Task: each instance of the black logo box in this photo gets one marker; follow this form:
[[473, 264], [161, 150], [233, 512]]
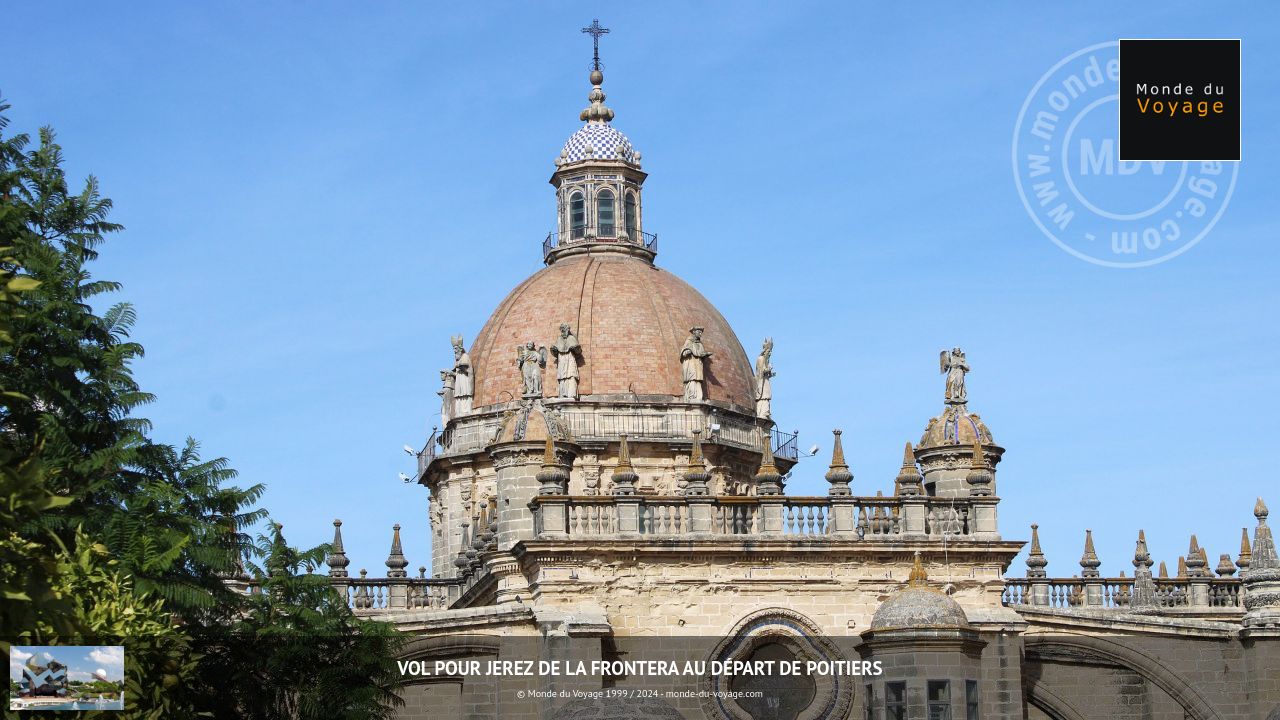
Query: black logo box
[[1186, 69]]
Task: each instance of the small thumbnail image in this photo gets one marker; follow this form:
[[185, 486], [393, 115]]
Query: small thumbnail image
[[66, 677]]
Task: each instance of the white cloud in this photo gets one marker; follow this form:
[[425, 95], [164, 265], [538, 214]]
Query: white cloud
[[17, 659], [111, 657]]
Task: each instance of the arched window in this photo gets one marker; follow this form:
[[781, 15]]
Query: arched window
[[605, 214], [577, 216], [632, 217]]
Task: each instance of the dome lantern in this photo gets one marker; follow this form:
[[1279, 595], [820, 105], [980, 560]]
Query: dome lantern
[[598, 183]]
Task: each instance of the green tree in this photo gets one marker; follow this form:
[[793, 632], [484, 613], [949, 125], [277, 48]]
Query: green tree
[[107, 534], [299, 653]]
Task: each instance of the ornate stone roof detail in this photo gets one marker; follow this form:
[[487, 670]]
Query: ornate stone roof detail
[[1144, 589], [1089, 562], [838, 474], [919, 606], [396, 562], [979, 477], [768, 479], [1264, 547], [1036, 561], [337, 560], [624, 476], [695, 471], [909, 481]]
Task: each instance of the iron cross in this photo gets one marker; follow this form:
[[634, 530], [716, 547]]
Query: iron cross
[[595, 31]]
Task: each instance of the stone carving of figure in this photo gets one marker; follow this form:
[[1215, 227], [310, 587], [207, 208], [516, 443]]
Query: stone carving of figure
[[764, 380], [952, 363], [446, 397], [566, 350], [463, 382], [693, 359], [531, 361]]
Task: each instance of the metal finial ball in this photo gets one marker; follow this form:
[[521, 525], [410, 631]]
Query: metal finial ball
[[597, 77]]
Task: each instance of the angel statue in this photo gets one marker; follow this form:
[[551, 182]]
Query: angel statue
[[764, 380], [463, 383], [952, 363], [531, 360]]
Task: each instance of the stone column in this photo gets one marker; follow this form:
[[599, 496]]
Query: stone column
[[518, 464]]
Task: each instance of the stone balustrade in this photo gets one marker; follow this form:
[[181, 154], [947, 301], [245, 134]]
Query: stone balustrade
[[372, 595], [1117, 593], [862, 518]]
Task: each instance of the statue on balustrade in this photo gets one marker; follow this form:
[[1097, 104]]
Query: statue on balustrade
[[953, 364], [447, 379], [764, 380], [463, 383], [531, 360], [693, 360], [565, 351]]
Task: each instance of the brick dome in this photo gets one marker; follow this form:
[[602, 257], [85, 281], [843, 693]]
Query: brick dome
[[631, 319]]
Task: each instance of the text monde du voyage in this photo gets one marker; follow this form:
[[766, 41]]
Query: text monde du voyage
[[635, 668], [1180, 99]]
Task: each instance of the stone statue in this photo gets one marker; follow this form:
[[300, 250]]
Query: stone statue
[[446, 397], [952, 363], [693, 359], [764, 380], [463, 383], [531, 360], [566, 350]]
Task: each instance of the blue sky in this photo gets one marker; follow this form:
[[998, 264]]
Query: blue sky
[[81, 662], [318, 195]]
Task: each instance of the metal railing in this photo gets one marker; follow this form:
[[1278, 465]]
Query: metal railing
[[616, 234]]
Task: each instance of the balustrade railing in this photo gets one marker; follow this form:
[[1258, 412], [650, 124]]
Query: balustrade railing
[[863, 518], [371, 594], [1117, 593]]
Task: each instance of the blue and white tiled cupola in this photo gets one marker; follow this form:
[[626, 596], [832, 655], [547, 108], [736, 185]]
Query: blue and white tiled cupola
[[598, 182]]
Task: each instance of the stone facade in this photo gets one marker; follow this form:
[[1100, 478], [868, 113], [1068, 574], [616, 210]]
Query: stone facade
[[632, 522]]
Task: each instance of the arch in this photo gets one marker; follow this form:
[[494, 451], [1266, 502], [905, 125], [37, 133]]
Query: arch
[[577, 215], [1049, 703], [606, 214], [1149, 667], [803, 638]]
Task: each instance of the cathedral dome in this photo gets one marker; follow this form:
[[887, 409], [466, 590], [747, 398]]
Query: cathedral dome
[[598, 141], [631, 318], [955, 426], [919, 606]]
